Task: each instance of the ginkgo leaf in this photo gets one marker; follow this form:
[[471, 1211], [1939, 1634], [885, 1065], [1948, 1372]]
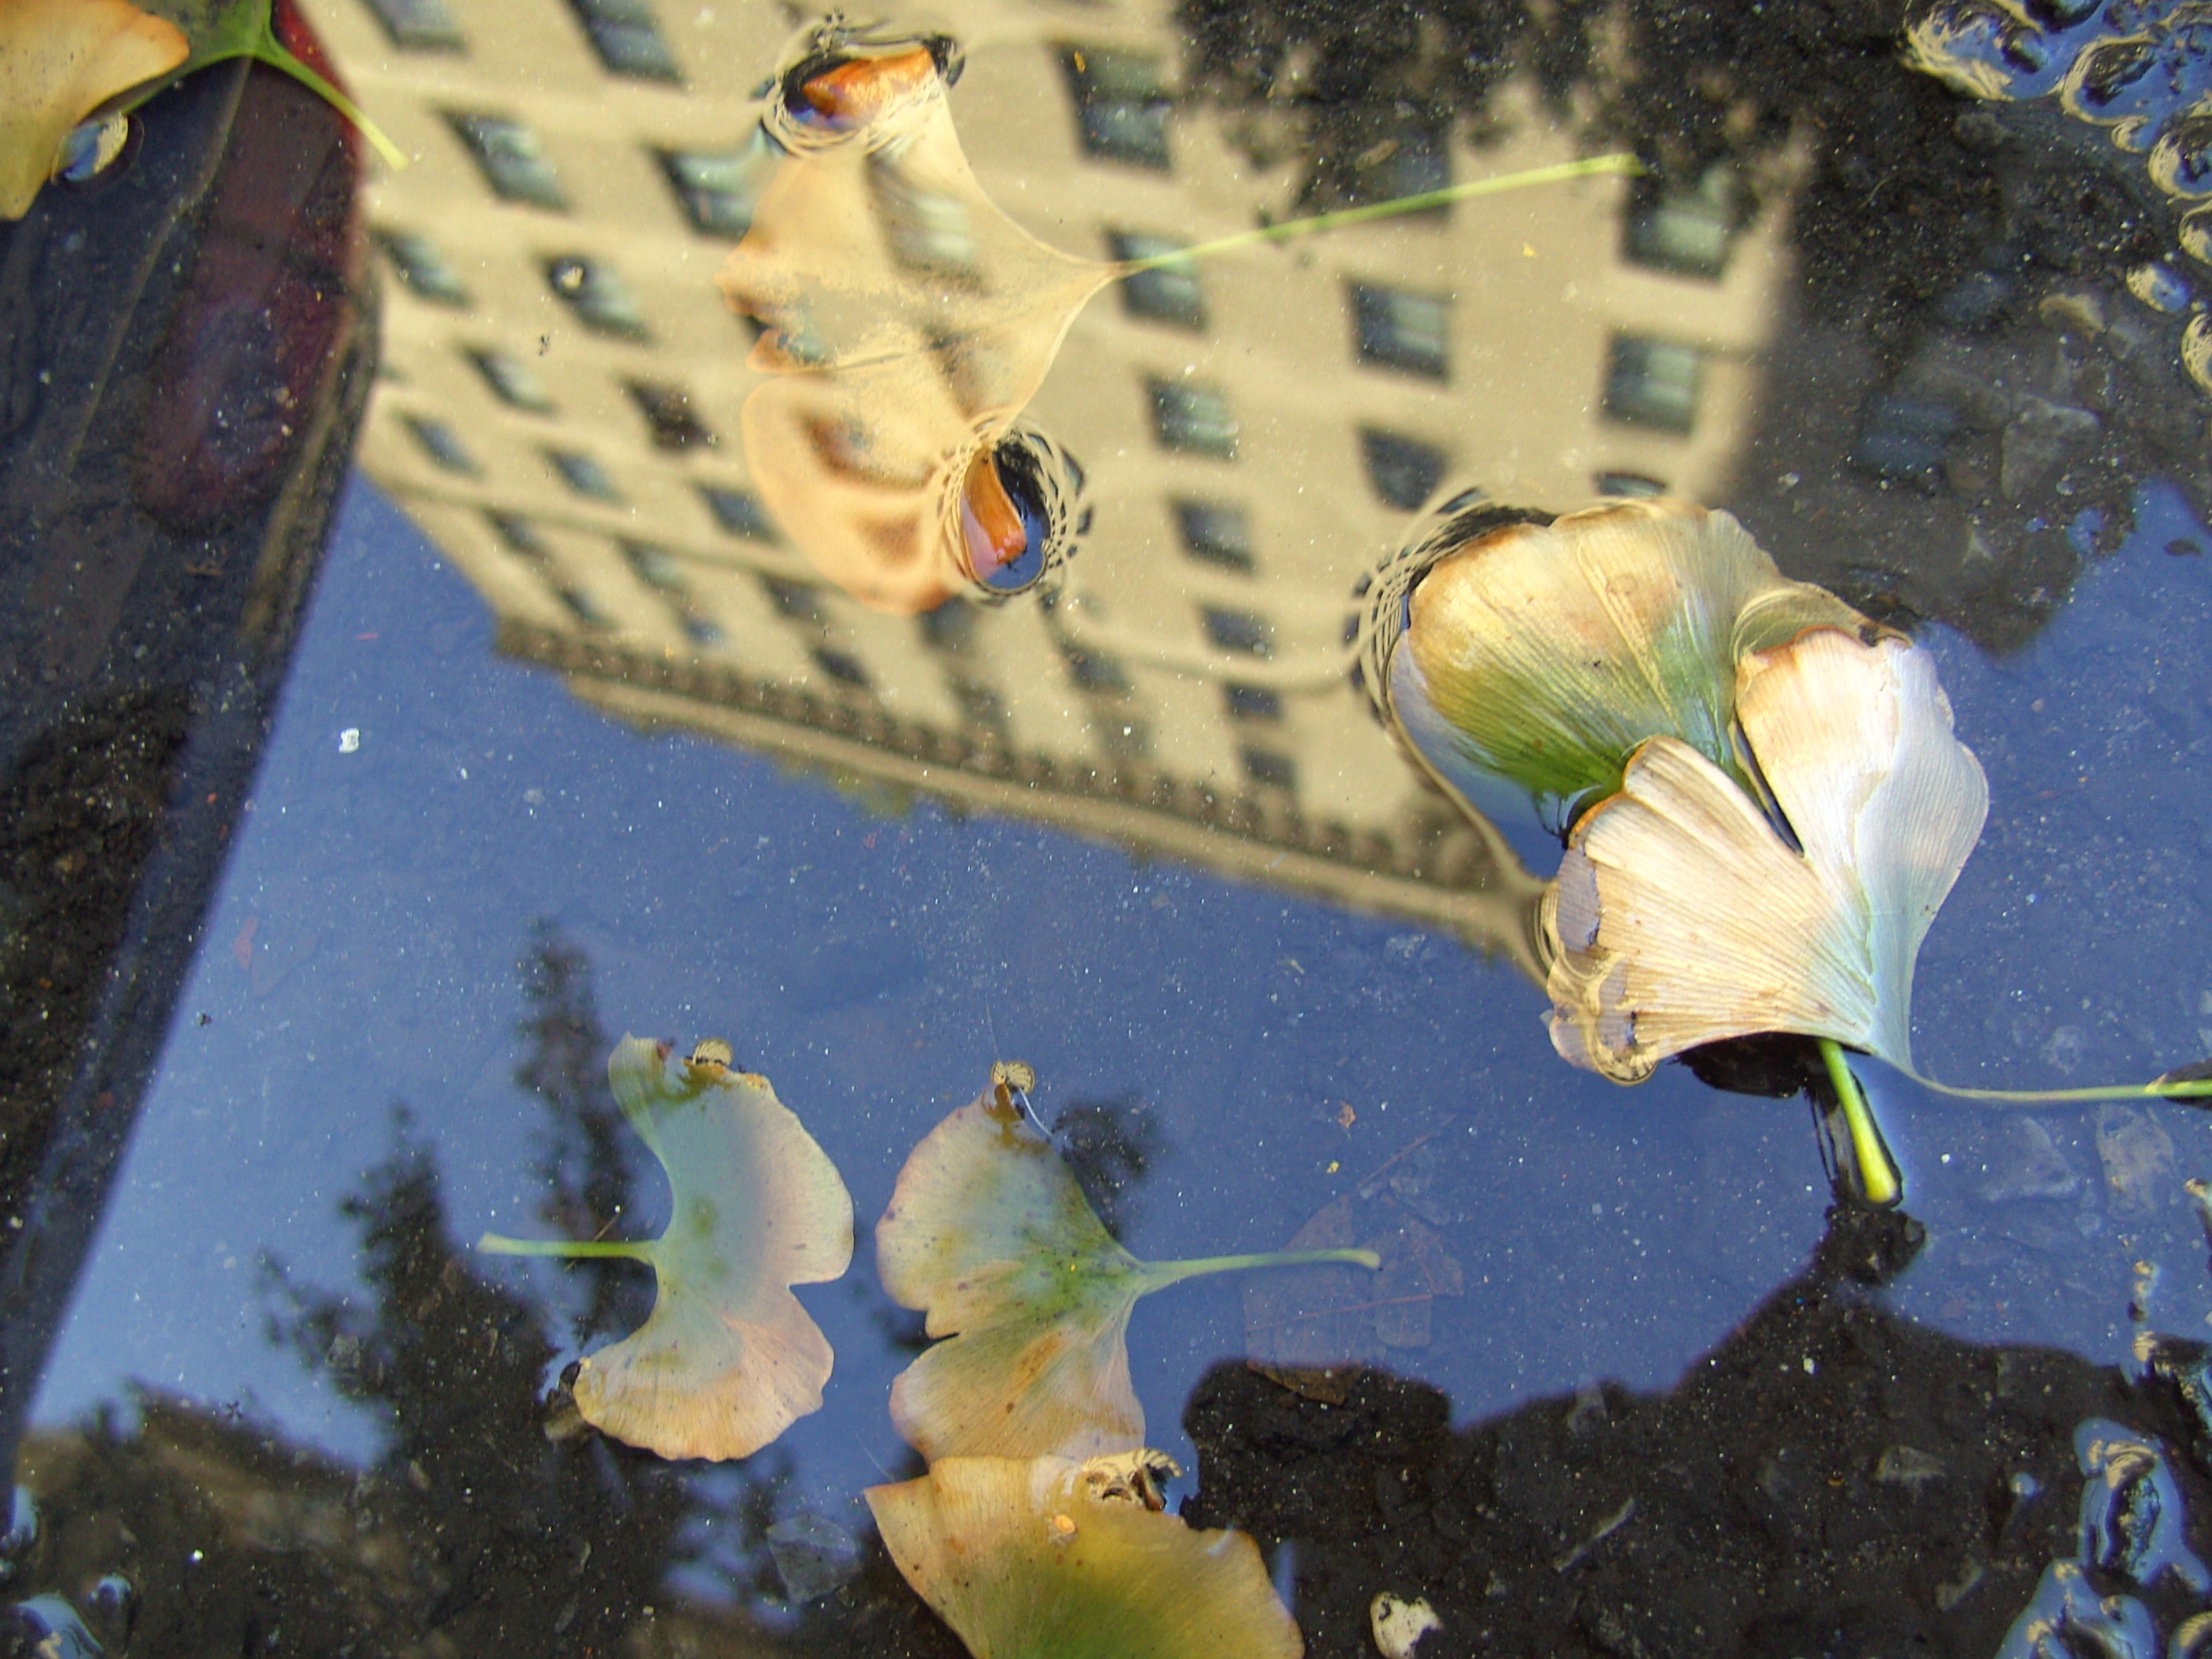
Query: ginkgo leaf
[[1507, 649], [1041, 1559], [989, 1235], [926, 318], [729, 1359], [1682, 916], [61, 60]]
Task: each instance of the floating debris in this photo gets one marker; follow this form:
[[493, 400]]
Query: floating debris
[[1036, 1560], [1399, 1625], [729, 1359], [989, 1233], [1684, 914]]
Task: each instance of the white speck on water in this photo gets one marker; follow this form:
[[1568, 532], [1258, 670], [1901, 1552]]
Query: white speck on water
[[349, 740]]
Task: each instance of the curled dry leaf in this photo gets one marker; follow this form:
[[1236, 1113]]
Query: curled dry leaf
[[989, 1233], [1682, 915], [729, 1359], [1509, 650], [61, 60], [1034, 1559]]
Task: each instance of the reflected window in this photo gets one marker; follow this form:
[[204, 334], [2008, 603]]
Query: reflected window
[[1653, 383], [1216, 532], [980, 705], [1269, 769], [701, 632], [514, 163], [440, 443], [419, 25], [1253, 704], [1687, 232], [842, 666], [1404, 471], [627, 38], [1413, 162], [513, 382], [519, 535], [718, 190], [1239, 631], [1406, 332], [1627, 484], [656, 566], [1095, 671], [950, 627], [1120, 106], [668, 416], [583, 475], [1168, 295], [1194, 418], [738, 512], [600, 299], [419, 265], [800, 601]]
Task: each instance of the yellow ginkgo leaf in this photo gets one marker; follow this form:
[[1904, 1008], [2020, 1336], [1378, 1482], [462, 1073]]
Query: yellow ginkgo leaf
[[989, 1235], [1682, 915], [59, 60], [729, 1359], [1043, 1560], [878, 269]]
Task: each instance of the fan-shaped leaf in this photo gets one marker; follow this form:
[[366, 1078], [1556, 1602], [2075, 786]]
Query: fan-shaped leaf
[[1046, 1559], [1681, 916], [989, 1234], [729, 1359]]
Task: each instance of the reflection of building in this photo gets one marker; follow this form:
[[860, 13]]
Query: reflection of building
[[560, 413]]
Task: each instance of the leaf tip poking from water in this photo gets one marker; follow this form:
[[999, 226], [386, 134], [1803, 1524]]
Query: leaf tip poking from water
[[728, 1358]]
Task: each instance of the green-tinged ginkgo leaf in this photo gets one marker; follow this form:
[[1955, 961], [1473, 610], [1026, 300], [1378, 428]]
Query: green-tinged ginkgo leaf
[[1682, 916], [989, 1235], [1509, 649], [729, 1359], [922, 320], [1049, 1558], [60, 60]]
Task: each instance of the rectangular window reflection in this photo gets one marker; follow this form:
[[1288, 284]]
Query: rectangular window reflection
[[842, 666], [1402, 331], [718, 190], [1404, 471], [440, 443], [1194, 418], [513, 161], [800, 601], [627, 38], [668, 416], [513, 382], [1627, 484], [1653, 383], [1170, 294], [600, 299], [519, 533], [1216, 532], [419, 25], [1688, 231], [738, 512], [1095, 671], [1120, 106], [419, 265], [583, 475], [1239, 631], [980, 705], [1256, 704], [1269, 769]]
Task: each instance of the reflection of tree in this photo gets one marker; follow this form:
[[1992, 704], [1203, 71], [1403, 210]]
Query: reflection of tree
[[1109, 1146], [1832, 1478]]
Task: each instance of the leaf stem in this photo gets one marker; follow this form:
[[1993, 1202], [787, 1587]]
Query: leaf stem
[[2195, 1089], [1877, 1175], [500, 1244], [1618, 164], [1174, 1272]]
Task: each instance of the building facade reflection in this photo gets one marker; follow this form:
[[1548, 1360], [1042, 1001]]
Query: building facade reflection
[[560, 412]]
